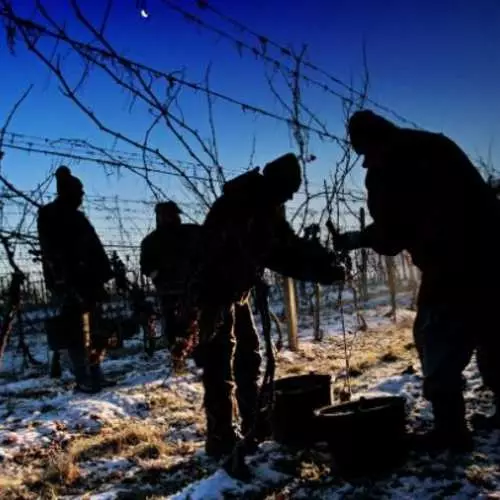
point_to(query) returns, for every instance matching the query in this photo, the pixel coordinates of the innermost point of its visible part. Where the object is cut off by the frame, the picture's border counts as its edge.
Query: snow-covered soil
(144, 438)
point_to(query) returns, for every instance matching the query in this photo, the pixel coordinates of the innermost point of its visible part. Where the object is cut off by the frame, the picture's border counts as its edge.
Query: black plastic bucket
(296, 398)
(364, 436)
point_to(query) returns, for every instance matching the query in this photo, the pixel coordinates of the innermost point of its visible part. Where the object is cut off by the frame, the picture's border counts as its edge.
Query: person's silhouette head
(69, 188)
(284, 177)
(369, 133)
(168, 214)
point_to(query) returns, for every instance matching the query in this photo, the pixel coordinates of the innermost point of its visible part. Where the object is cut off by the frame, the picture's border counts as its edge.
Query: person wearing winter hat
(167, 256)
(244, 232)
(75, 268)
(283, 177)
(425, 196)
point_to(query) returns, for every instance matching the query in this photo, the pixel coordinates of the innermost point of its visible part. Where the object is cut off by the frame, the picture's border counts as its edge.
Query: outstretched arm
(384, 240)
(301, 259)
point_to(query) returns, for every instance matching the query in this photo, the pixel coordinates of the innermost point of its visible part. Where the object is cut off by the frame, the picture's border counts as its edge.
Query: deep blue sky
(434, 62)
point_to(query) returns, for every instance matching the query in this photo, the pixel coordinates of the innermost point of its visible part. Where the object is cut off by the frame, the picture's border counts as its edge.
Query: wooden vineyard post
(414, 280)
(291, 313)
(290, 308)
(381, 269)
(404, 267)
(391, 282)
(318, 334)
(364, 260)
(10, 310)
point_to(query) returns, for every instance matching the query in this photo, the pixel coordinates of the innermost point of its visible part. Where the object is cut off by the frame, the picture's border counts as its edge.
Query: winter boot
(254, 422)
(222, 437)
(250, 444)
(98, 380)
(86, 387)
(55, 365)
(249, 431)
(264, 429)
(450, 432)
(221, 445)
(79, 365)
(234, 463)
(255, 429)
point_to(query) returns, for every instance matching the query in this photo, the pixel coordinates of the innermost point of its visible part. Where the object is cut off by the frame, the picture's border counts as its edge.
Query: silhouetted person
(426, 197)
(167, 256)
(75, 268)
(244, 232)
(494, 183)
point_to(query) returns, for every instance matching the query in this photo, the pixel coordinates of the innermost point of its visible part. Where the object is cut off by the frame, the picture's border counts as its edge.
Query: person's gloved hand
(332, 273)
(350, 240)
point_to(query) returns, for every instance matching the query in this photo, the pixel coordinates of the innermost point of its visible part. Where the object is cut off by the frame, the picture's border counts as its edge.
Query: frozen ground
(144, 439)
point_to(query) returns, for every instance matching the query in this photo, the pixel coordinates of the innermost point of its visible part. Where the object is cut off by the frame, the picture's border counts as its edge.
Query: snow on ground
(144, 438)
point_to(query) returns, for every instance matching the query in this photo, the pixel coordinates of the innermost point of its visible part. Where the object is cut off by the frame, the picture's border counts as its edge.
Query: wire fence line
(122, 223)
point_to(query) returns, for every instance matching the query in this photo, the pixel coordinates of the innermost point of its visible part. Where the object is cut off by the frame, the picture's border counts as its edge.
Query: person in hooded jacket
(167, 254)
(75, 267)
(244, 232)
(426, 197)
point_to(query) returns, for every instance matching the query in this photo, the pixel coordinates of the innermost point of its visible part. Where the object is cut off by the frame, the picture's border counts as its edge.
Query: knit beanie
(284, 173)
(66, 183)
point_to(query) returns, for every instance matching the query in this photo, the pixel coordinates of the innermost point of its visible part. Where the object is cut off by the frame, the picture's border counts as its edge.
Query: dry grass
(169, 399)
(149, 446)
(61, 469)
(174, 407)
(368, 350)
(9, 482)
(135, 440)
(311, 471)
(481, 475)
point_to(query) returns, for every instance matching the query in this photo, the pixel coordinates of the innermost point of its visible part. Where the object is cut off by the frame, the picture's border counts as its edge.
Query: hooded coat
(425, 196)
(246, 231)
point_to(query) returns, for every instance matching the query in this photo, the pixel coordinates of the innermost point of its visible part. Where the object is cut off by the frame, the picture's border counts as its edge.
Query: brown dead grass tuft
(168, 400)
(136, 439)
(481, 475)
(372, 349)
(174, 407)
(9, 482)
(61, 469)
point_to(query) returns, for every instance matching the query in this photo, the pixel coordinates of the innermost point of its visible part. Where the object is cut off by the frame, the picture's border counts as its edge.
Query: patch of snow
(289, 356)
(212, 488)
(37, 411)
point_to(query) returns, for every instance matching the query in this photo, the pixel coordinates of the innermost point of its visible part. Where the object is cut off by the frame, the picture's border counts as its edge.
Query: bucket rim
(385, 402)
(311, 381)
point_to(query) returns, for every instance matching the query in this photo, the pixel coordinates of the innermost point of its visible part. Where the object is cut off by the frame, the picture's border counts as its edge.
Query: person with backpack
(75, 267)
(244, 232)
(426, 197)
(168, 254)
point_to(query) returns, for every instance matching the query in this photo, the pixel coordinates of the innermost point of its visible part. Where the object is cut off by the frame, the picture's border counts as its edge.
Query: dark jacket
(244, 232)
(425, 196)
(72, 252)
(171, 252)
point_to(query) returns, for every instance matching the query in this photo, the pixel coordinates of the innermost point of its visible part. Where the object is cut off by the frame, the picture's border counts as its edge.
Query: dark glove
(350, 240)
(332, 273)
